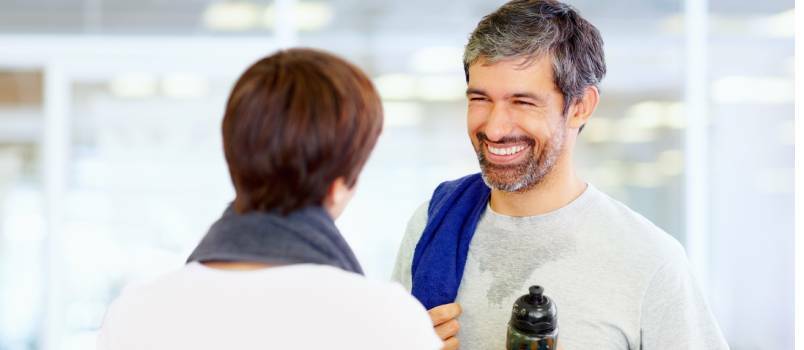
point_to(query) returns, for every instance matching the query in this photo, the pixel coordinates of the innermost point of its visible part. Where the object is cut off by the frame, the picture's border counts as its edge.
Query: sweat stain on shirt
(509, 261)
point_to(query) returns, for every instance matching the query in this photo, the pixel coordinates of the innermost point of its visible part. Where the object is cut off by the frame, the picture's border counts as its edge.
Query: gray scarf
(307, 235)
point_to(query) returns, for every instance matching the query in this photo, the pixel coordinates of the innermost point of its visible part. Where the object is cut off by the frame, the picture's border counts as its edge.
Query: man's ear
(582, 109)
(338, 195)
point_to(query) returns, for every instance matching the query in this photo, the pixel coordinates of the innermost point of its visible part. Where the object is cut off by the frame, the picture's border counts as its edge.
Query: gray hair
(531, 28)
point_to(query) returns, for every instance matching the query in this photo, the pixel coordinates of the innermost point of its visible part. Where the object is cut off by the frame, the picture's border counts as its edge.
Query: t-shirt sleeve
(674, 312)
(404, 257)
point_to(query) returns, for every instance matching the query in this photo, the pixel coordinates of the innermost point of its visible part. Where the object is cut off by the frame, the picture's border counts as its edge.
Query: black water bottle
(534, 322)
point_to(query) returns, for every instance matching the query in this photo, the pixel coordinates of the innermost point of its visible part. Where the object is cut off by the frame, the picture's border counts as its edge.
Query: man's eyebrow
(535, 97)
(532, 96)
(475, 91)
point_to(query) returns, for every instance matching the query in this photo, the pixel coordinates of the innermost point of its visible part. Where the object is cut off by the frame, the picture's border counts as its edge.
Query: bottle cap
(534, 313)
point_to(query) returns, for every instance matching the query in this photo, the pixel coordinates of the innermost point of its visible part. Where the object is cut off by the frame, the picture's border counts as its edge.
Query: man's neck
(557, 189)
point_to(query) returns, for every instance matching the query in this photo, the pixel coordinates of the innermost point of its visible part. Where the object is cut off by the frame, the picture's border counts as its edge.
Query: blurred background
(111, 166)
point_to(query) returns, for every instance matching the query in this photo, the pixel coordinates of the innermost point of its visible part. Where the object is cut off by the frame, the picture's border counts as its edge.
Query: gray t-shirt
(618, 281)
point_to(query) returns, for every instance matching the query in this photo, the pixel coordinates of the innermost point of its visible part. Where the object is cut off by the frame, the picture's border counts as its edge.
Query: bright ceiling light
(627, 133)
(451, 87)
(670, 163)
(782, 25)
(307, 16)
(231, 16)
(757, 90)
(184, 85)
(655, 115)
(441, 87)
(134, 85)
(313, 15)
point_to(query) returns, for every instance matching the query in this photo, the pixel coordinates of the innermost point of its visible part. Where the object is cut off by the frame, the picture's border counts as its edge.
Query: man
(619, 282)
(274, 272)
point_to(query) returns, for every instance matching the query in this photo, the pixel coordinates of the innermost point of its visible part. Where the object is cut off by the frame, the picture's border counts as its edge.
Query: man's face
(515, 121)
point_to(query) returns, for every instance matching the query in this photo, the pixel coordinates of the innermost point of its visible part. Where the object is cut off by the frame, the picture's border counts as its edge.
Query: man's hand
(445, 321)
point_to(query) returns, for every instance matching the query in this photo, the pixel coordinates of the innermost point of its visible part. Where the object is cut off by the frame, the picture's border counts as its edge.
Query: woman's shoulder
(354, 309)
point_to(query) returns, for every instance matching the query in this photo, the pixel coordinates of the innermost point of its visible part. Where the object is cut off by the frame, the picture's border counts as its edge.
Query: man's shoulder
(413, 232)
(630, 230)
(417, 221)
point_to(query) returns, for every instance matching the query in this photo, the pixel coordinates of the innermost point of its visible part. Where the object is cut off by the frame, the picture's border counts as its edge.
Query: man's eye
(477, 99)
(525, 103)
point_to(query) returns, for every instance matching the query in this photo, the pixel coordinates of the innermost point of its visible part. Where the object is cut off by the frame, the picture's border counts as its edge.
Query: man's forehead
(525, 69)
(513, 77)
(522, 62)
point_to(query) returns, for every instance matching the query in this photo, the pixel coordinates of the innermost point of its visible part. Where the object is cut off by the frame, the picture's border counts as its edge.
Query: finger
(451, 344)
(444, 313)
(448, 329)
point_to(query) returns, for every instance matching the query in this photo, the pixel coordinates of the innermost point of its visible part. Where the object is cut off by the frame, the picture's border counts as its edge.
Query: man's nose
(498, 124)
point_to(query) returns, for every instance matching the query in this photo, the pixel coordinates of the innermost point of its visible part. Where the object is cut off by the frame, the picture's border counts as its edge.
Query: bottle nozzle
(536, 294)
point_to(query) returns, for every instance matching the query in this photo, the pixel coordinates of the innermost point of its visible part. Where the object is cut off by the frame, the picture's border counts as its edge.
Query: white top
(301, 306)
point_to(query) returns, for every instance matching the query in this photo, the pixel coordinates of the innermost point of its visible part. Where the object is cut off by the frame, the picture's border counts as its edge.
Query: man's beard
(524, 175)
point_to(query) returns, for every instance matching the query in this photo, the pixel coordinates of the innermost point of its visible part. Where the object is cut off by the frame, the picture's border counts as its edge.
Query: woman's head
(298, 128)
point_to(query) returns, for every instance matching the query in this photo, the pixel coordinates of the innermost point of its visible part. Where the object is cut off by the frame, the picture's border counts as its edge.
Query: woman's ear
(583, 108)
(338, 197)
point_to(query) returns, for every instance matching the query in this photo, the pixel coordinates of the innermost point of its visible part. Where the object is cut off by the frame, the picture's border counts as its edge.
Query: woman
(274, 272)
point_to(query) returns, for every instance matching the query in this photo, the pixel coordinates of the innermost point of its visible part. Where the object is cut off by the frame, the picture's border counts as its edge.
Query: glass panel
(147, 178)
(751, 175)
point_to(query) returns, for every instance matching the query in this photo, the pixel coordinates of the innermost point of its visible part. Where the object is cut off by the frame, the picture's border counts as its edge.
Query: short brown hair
(295, 122)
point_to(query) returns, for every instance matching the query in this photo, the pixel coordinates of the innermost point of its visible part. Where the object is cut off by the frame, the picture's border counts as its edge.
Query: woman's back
(302, 306)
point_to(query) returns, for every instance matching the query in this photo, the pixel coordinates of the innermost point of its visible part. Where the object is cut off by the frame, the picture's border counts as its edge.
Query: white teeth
(505, 151)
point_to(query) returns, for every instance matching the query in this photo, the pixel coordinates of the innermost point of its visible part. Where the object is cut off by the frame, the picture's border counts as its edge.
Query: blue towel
(440, 255)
